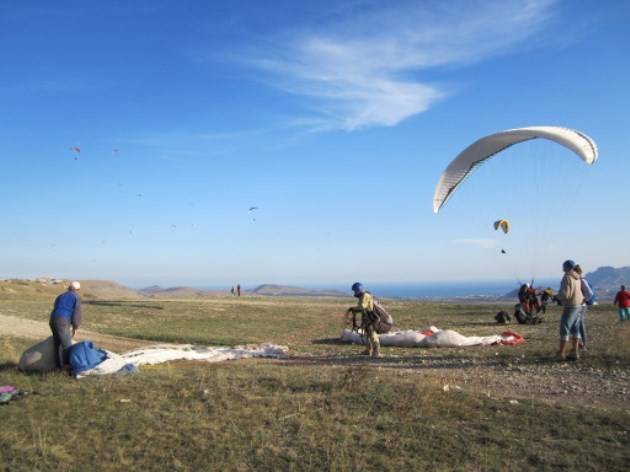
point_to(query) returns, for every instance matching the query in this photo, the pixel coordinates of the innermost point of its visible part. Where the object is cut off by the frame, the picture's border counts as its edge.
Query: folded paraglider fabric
(41, 356)
(122, 363)
(85, 356)
(434, 337)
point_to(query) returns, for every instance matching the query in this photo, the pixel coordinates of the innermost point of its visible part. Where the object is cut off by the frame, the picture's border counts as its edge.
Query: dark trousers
(62, 335)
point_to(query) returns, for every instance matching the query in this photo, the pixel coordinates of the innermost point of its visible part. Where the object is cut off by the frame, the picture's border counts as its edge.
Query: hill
(608, 279)
(271, 290)
(44, 287)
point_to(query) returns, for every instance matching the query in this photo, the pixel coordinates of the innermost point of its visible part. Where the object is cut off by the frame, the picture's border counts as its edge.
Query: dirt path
(38, 330)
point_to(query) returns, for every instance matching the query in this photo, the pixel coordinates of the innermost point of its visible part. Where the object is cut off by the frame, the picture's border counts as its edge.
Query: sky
(334, 118)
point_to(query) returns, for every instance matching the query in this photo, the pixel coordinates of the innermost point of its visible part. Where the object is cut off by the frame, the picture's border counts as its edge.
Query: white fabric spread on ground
(424, 338)
(172, 352)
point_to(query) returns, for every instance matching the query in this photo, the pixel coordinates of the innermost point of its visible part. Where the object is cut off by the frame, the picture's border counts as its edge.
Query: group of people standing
(533, 302)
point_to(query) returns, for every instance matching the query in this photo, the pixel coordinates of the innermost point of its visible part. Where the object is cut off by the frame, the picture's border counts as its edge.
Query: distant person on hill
(570, 295)
(365, 307)
(65, 319)
(622, 300)
(232, 290)
(588, 295)
(238, 290)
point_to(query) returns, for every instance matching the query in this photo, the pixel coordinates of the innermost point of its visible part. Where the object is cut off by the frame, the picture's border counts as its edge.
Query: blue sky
(335, 118)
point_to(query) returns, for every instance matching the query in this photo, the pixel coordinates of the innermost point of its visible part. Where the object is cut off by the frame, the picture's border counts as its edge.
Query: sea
(440, 290)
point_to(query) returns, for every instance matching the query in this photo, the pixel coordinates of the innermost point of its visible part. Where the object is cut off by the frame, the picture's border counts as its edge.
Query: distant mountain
(608, 279)
(271, 290)
(172, 292)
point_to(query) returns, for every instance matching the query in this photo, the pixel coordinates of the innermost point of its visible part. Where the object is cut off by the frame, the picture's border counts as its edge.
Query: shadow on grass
(8, 367)
(335, 341)
(122, 303)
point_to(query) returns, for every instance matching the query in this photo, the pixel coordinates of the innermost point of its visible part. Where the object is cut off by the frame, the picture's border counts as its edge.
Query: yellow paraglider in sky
(503, 224)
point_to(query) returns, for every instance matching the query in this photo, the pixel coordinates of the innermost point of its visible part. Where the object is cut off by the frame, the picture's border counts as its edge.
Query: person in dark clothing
(65, 319)
(545, 297)
(502, 317)
(238, 290)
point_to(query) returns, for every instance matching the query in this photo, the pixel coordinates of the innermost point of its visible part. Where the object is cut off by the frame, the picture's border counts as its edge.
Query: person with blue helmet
(65, 319)
(365, 307)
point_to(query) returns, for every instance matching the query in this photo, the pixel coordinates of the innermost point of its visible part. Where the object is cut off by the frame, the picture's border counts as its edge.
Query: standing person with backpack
(365, 307)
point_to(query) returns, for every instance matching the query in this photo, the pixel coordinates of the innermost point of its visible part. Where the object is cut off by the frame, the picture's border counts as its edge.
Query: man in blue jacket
(65, 319)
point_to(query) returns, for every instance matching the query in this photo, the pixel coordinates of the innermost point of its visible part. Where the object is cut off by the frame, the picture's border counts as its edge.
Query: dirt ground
(38, 330)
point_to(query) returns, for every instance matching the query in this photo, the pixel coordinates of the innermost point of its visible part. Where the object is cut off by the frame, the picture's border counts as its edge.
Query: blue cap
(568, 264)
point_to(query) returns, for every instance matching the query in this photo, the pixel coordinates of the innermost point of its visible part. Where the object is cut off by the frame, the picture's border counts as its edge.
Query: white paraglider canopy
(489, 146)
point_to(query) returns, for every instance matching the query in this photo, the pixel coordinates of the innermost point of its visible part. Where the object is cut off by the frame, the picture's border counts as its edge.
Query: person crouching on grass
(65, 319)
(570, 295)
(365, 307)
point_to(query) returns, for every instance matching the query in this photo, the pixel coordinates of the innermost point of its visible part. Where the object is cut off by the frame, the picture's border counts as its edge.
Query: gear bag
(384, 321)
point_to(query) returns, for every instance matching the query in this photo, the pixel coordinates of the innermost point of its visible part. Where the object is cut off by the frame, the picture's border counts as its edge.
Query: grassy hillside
(325, 407)
(44, 288)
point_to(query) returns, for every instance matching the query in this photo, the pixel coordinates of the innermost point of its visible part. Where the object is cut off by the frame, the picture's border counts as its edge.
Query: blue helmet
(358, 288)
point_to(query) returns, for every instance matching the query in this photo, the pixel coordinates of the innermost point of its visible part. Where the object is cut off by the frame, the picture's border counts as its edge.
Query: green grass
(312, 325)
(311, 412)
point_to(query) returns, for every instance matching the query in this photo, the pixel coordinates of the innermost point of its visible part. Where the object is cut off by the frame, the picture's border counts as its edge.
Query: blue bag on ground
(84, 356)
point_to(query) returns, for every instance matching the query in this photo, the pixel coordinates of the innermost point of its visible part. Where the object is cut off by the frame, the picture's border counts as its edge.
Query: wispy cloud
(478, 242)
(366, 71)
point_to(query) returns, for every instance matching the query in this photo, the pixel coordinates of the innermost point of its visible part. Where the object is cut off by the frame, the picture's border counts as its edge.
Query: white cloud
(363, 71)
(478, 242)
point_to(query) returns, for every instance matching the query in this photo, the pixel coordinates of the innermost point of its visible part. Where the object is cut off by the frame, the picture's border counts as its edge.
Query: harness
(368, 322)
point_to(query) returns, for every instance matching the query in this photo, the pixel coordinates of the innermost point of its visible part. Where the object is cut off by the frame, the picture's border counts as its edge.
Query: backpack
(587, 292)
(384, 321)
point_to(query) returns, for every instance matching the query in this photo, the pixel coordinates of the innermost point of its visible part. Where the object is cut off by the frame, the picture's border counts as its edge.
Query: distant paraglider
(251, 211)
(492, 145)
(503, 224)
(77, 152)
